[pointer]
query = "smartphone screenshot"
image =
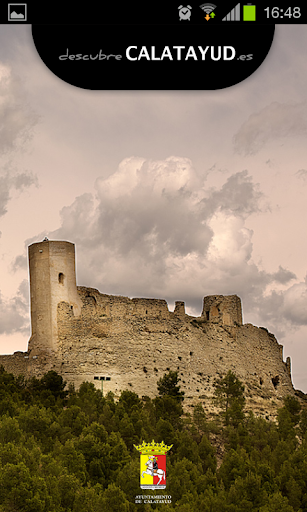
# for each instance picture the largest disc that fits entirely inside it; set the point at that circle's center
(153, 298)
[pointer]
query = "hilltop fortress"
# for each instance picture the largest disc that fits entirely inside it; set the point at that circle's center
(120, 343)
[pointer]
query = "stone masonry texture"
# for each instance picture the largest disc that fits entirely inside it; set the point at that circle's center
(120, 343)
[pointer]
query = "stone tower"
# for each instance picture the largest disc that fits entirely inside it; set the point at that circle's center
(223, 309)
(52, 280)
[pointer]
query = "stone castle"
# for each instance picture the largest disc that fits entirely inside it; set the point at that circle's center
(120, 343)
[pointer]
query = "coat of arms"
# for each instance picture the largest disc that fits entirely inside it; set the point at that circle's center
(153, 465)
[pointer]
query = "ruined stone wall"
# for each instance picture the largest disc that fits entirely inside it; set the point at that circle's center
(16, 363)
(120, 343)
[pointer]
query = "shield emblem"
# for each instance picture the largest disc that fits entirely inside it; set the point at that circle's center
(153, 465)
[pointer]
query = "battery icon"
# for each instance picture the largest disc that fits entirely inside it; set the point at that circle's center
(249, 12)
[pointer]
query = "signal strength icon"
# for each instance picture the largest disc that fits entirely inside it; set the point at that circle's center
(207, 7)
(233, 15)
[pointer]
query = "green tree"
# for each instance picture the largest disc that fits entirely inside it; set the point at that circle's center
(53, 382)
(68, 486)
(170, 409)
(128, 479)
(285, 424)
(289, 417)
(229, 392)
(207, 455)
(235, 464)
(114, 500)
(9, 430)
(187, 448)
(21, 490)
(90, 400)
(10, 393)
(87, 498)
(277, 503)
(165, 431)
(294, 407)
(130, 401)
(167, 385)
(36, 421)
(303, 422)
(182, 478)
(127, 432)
(247, 493)
(73, 419)
(199, 419)
(97, 430)
(73, 460)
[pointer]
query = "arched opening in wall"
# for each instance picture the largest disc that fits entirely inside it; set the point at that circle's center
(214, 311)
(90, 300)
(275, 381)
(61, 278)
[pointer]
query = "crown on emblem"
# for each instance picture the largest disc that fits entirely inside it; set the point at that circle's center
(157, 448)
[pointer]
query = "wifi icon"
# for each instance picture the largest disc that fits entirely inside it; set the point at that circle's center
(207, 7)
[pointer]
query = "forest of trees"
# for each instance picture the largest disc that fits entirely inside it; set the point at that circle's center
(66, 450)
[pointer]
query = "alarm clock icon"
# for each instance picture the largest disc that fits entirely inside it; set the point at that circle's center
(184, 12)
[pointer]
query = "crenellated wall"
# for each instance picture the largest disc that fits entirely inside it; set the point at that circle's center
(124, 343)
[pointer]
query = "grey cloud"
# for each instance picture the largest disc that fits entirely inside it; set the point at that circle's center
(270, 310)
(270, 304)
(154, 226)
(23, 293)
(238, 195)
(301, 174)
(14, 313)
(5, 185)
(24, 180)
(272, 122)
(17, 119)
(295, 304)
(143, 211)
(12, 179)
(167, 224)
(77, 219)
(283, 276)
(284, 311)
(20, 262)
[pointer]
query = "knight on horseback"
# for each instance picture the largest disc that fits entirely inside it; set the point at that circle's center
(152, 468)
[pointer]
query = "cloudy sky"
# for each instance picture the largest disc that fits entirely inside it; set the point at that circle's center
(173, 195)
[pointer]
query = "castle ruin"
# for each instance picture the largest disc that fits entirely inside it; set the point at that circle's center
(120, 343)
